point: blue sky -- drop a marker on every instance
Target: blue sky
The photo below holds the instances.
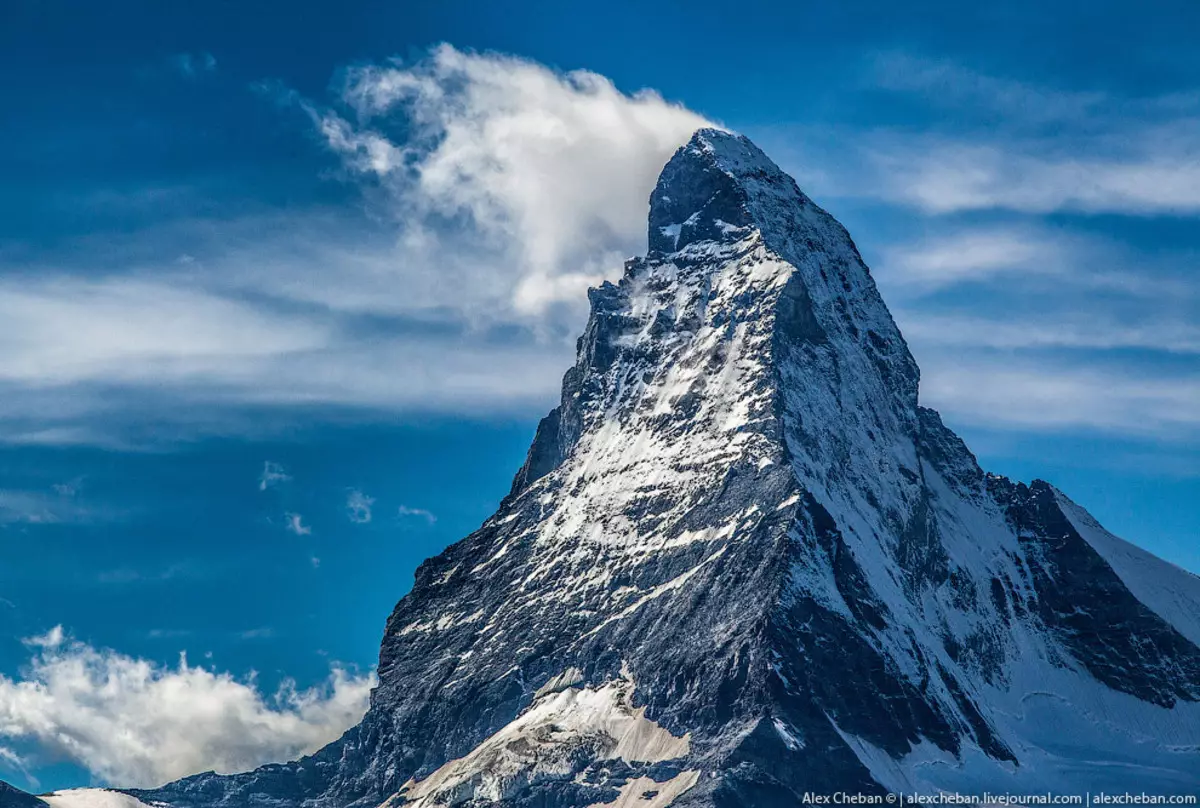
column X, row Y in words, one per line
column 284, row 289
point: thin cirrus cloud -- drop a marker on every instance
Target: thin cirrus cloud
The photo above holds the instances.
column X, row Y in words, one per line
column 1033, row 149
column 1051, row 396
column 1160, row 174
column 1035, row 329
column 134, row 722
column 967, row 256
column 57, row 505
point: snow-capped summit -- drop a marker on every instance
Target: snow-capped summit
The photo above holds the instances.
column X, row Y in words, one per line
column 741, row 563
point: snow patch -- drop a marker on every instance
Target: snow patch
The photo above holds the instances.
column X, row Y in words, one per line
column 545, row 743
column 571, row 676
column 643, row 792
column 788, row 734
column 93, row 798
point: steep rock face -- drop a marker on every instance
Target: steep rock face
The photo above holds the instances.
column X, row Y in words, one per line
column 741, row 563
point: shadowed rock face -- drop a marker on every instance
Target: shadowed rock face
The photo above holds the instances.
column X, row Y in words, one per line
column 15, row 798
column 740, row 563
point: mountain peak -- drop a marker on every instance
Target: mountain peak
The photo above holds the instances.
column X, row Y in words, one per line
column 742, row 565
column 733, row 153
column 716, row 187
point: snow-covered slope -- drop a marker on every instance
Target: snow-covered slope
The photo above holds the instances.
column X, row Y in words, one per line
column 92, row 798
column 741, row 563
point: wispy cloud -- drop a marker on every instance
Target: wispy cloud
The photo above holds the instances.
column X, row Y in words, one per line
column 358, row 507
column 133, row 722
column 974, row 255
column 416, row 513
column 1053, row 395
column 272, row 475
column 130, row 575
column 294, row 523
column 194, row 65
column 1149, row 171
column 1037, row 149
column 992, row 143
column 977, row 95
column 48, row 507
column 1093, row 331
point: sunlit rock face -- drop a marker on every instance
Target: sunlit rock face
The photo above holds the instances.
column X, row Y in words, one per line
column 741, row 563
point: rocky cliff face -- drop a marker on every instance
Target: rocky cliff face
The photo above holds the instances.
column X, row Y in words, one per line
column 742, row 563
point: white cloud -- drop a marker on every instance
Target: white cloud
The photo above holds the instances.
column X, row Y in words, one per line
column 132, row 722
column 419, row 513
column 1041, row 394
column 552, row 172
column 973, row 255
column 272, row 475
column 51, row 639
column 125, row 330
column 991, row 143
column 1067, row 330
column 1037, row 149
column 358, row 507
column 295, row 524
column 1154, row 173
column 953, row 86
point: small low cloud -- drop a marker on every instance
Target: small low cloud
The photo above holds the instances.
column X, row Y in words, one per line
column 194, row 65
column 260, row 633
column 130, row 575
column 134, row 722
column 405, row 511
column 51, row 639
column 272, row 475
column 295, row 524
column 358, row 507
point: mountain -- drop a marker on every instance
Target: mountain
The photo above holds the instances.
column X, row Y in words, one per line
column 742, row 563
